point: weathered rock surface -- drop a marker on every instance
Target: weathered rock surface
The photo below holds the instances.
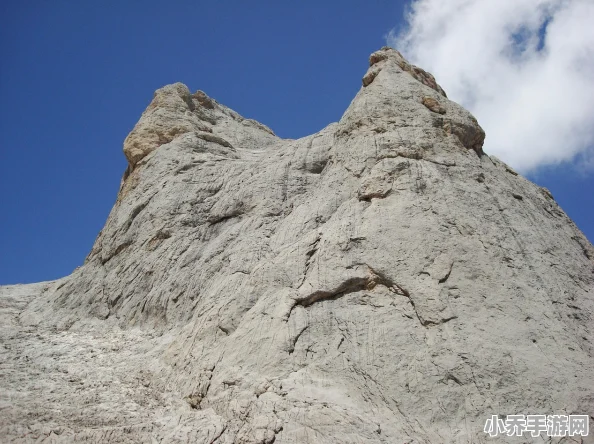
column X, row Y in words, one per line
column 381, row 281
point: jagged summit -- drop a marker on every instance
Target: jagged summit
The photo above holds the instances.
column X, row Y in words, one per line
column 381, row 281
column 388, row 55
column 174, row 112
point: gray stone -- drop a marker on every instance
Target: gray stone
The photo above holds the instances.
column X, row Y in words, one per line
column 379, row 281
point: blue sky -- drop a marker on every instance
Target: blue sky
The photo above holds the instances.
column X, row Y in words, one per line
column 75, row 77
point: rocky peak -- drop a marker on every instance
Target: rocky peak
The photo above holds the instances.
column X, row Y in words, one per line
column 389, row 56
column 175, row 112
column 383, row 280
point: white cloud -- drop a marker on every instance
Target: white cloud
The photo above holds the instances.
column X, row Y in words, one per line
column 524, row 68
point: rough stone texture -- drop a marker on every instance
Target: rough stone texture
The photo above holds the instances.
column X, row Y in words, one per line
column 433, row 105
column 381, row 281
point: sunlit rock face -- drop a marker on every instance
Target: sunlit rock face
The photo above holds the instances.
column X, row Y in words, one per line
column 380, row 281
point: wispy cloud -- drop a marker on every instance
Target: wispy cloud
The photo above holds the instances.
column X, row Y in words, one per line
column 525, row 68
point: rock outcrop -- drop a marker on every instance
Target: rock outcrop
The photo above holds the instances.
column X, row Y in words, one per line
column 381, row 281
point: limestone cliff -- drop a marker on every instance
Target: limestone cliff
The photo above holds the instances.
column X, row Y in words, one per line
column 381, row 281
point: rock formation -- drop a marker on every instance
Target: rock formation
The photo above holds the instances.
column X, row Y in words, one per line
column 381, row 281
